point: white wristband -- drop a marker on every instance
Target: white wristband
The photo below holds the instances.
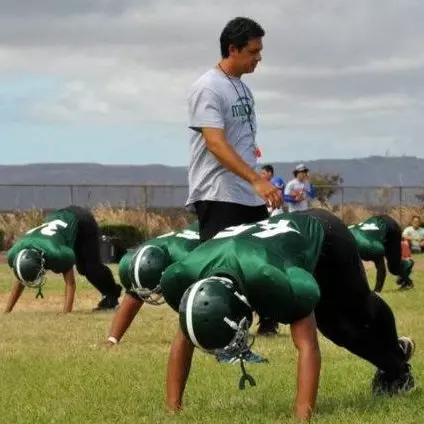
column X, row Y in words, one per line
column 112, row 340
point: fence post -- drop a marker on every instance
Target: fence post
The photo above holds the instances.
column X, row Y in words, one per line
column 143, row 191
column 71, row 194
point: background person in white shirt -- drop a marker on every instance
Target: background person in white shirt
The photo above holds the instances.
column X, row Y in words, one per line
column 414, row 235
column 299, row 191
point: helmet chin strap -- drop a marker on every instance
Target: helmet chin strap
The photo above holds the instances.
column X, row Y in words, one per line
column 241, row 342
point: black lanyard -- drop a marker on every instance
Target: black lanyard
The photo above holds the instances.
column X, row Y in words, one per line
column 246, row 107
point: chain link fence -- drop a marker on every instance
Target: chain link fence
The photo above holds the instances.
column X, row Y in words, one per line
column 351, row 203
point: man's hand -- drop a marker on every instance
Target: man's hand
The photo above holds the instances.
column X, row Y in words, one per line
column 268, row 192
column 224, row 152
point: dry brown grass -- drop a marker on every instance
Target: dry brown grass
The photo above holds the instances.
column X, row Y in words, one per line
column 354, row 213
column 14, row 224
column 155, row 223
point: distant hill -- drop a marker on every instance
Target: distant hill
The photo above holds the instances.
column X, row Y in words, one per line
column 362, row 172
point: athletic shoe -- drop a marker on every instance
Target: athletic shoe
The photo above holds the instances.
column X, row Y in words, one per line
column 267, row 327
column 107, row 303
column 408, row 347
column 403, row 383
column 407, row 285
column 383, row 384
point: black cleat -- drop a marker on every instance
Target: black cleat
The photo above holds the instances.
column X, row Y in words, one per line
column 408, row 347
column 267, row 327
column 384, row 384
column 107, row 303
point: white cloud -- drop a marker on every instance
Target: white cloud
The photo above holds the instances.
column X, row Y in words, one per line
column 330, row 65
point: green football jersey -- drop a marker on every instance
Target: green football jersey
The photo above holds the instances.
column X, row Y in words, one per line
column 177, row 244
column 272, row 262
column 55, row 237
column 370, row 236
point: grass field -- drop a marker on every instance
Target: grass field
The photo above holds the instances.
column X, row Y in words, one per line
column 54, row 368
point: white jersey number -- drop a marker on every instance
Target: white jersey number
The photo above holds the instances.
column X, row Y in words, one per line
column 271, row 230
column 369, row 227
column 185, row 234
column 268, row 229
column 49, row 228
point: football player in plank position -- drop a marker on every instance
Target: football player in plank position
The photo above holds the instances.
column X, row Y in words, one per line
column 302, row 269
column 140, row 272
column 380, row 237
column 68, row 237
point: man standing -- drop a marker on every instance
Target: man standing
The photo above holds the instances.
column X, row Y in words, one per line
column 224, row 187
column 299, row 191
column 268, row 173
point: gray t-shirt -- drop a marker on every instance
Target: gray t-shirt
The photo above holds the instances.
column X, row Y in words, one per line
column 214, row 103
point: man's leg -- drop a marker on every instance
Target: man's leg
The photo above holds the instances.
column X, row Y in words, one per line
column 381, row 274
column 371, row 334
column 89, row 264
column 393, row 252
column 351, row 315
column 215, row 216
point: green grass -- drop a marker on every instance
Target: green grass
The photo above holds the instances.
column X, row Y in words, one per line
column 54, row 368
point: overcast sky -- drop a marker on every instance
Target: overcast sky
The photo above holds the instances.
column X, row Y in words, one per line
column 106, row 80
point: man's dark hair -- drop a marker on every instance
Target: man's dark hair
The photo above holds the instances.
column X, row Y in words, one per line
column 416, row 216
column 268, row 168
column 238, row 32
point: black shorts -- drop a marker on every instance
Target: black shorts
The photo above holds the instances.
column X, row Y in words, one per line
column 214, row 216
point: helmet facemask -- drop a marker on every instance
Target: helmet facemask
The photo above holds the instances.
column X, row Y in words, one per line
column 148, row 265
column 30, row 268
column 207, row 304
column 242, row 339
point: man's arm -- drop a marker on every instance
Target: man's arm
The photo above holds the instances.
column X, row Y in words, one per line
column 381, row 274
column 14, row 296
column 305, row 338
column 179, row 364
column 70, row 287
column 218, row 145
column 125, row 315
